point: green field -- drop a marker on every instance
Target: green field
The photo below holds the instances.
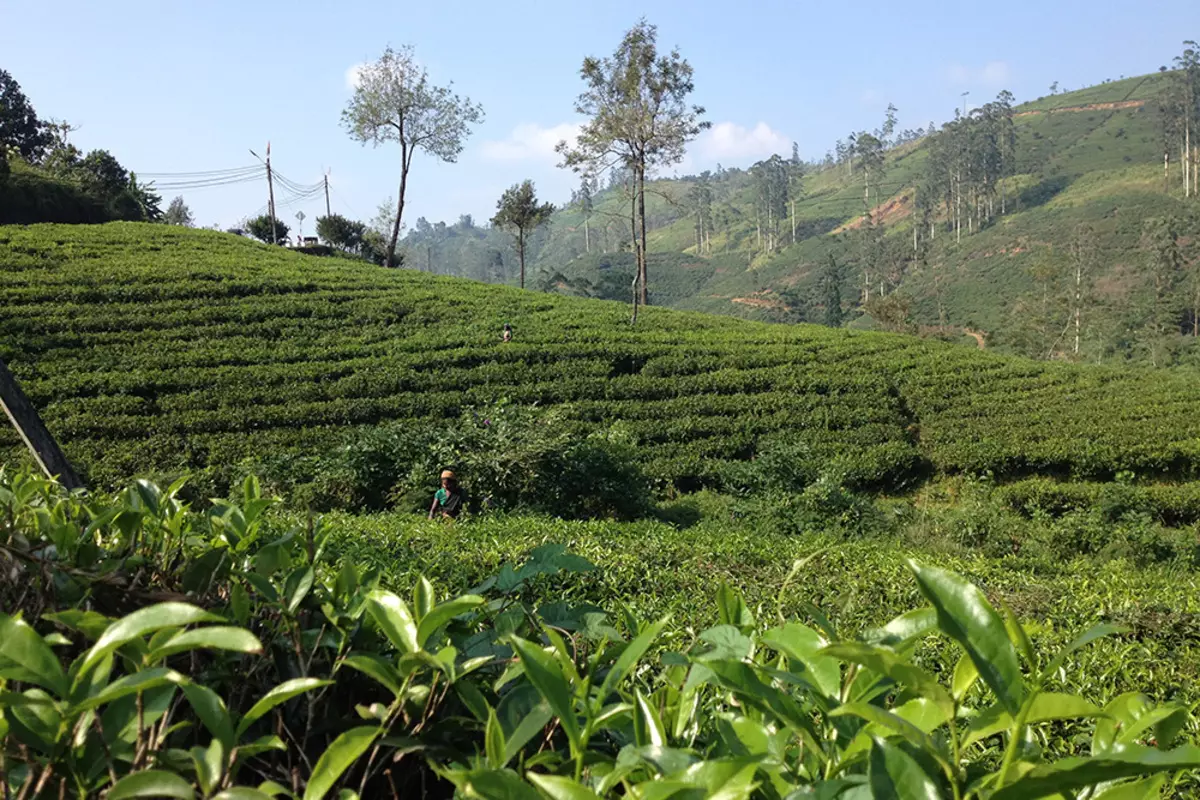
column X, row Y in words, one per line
column 786, row 476
column 153, row 350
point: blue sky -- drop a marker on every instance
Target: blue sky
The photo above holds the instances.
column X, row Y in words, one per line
column 173, row 87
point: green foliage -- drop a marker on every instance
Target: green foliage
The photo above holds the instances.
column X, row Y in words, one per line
column 259, row 352
column 342, row 233
column 519, row 211
column 20, row 127
column 506, row 457
column 367, row 690
column 179, row 214
column 268, row 230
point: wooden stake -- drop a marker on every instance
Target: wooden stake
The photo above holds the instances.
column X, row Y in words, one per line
column 33, row 432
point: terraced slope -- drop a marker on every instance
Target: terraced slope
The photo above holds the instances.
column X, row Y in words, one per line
column 153, row 349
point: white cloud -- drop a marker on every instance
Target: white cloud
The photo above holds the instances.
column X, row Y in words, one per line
column 728, row 141
column 353, row 74
column 530, row 142
column 993, row 74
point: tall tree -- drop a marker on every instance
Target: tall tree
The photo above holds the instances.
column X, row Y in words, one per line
column 20, row 127
column 831, row 293
column 179, row 214
column 1163, row 265
column 583, row 201
column 519, row 211
column 638, row 117
column 395, row 102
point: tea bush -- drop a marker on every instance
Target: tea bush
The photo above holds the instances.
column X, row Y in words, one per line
column 232, row 658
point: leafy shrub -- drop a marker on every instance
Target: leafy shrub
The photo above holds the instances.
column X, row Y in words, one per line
column 506, row 456
column 329, row 683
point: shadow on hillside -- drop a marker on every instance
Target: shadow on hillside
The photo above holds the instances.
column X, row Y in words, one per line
column 1043, row 192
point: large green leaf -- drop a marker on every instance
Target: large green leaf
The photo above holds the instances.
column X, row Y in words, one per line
column 741, row 679
column 280, row 694
column 884, row 661
column 138, row 624
column 801, row 644
column 21, row 644
column 892, row 723
column 630, row 656
column 213, row 637
column 903, row 629
column 559, row 788
column 337, row 758
column 377, row 667
column 395, row 619
column 895, row 775
column 1046, row 706
column 530, row 725
column 142, row 681
column 211, row 710
column 545, row 673
column 241, row 793
column 151, row 783
column 1071, row 774
column 965, row 615
column 439, row 615
column 491, row 784
column 1145, row 789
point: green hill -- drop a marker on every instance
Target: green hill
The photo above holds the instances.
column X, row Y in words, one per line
column 1091, row 158
column 155, row 349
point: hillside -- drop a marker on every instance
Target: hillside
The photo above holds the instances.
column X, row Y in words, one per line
column 154, row 349
column 1092, row 157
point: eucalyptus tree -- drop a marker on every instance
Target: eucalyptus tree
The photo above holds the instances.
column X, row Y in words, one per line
column 394, row 101
column 519, row 212
column 639, row 118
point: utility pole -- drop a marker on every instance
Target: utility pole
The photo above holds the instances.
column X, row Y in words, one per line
column 33, row 432
column 964, row 97
column 271, row 198
column 327, row 195
column 270, row 193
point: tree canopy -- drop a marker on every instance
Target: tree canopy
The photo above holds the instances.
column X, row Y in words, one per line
column 518, row 210
column 394, row 101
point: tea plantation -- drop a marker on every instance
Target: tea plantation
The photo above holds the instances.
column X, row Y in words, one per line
column 158, row 350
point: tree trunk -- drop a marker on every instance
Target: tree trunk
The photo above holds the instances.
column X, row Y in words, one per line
column 404, row 164
column 1079, row 299
column 641, row 179
column 587, row 238
column 793, row 221
column 521, row 253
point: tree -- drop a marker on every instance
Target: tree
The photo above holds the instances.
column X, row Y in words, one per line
column 831, row 293
column 519, row 211
column 395, row 102
column 20, row 127
column 583, row 201
column 260, row 228
column 1163, row 267
column 178, row 213
column 639, row 118
column 341, row 232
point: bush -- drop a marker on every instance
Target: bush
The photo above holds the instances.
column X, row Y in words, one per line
column 506, row 456
column 247, row 658
column 261, row 228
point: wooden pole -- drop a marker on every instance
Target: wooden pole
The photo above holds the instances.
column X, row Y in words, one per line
column 33, row 432
column 327, row 195
column 271, row 198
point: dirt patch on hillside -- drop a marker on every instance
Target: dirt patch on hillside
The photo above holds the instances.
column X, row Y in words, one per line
column 1090, row 107
column 760, row 300
column 977, row 336
column 888, row 213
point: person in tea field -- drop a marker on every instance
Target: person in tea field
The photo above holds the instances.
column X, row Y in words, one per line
column 448, row 501
column 507, row 335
